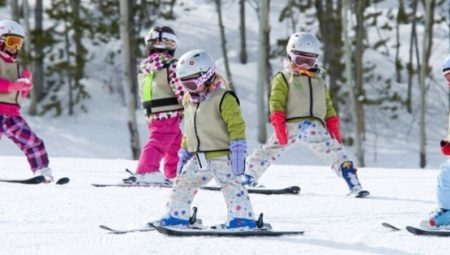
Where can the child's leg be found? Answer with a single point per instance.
(161, 135)
(261, 158)
(236, 196)
(443, 186)
(171, 156)
(185, 187)
(18, 130)
(314, 135)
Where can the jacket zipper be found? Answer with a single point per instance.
(310, 97)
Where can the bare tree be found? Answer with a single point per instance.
(330, 27)
(262, 82)
(360, 35)
(15, 12)
(224, 43)
(349, 78)
(426, 52)
(410, 66)
(243, 49)
(38, 58)
(128, 83)
(401, 16)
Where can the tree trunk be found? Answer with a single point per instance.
(398, 62)
(133, 56)
(411, 55)
(38, 59)
(262, 70)
(349, 78)
(359, 66)
(243, 54)
(27, 39)
(330, 27)
(15, 12)
(224, 44)
(127, 82)
(426, 52)
(69, 71)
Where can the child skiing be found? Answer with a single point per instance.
(301, 112)
(214, 144)
(161, 95)
(440, 218)
(15, 85)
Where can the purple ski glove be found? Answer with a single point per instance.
(238, 149)
(183, 157)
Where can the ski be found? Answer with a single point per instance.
(390, 226)
(362, 194)
(35, 180)
(265, 231)
(147, 228)
(294, 190)
(32, 180)
(62, 181)
(129, 185)
(428, 232)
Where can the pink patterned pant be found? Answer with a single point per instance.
(17, 129)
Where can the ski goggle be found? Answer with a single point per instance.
(193, 84)
(13, 41)
(300, 58)
(161, 40)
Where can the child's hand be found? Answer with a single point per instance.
(445, 147)
(278, 120)
(22, 84)
(26, 74)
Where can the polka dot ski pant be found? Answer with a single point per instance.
(311, 134)
(192, 177)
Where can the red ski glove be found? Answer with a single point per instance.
(333, 128)
(445, 147)
(278, 120)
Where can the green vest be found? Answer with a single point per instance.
(204, 128)
(306, 97)
(156, 94)
(10, 72)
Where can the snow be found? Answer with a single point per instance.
(50, 219)
(94, 147)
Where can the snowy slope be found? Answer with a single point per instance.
(49, 219)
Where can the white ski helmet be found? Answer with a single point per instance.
(446, 66)
(9, 27)
(193, 62)
(161, 38)
(196, 62)
(303, 42)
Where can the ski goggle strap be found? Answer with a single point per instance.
(192, 84)
(160, 36)
(13, 41)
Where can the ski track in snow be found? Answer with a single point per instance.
(50, 219)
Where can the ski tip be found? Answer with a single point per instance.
(63, 181)
(390, 226)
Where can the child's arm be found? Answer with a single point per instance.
(175, 83)
(277, 104)
(332, 119)
(231, 114)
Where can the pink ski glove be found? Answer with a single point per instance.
(333, 128)
(278, 120)
(445, 148)
(22, 84)
(26, 74)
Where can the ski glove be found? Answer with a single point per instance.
(21, 84)
(238, 149)
(333, 128)
(278, 120)
(183, 156)
(445, 147)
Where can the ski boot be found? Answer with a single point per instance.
(150, 178)
(46, 172)
(439, 219)
(351, 178)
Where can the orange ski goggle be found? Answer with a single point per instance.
(13, 41)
